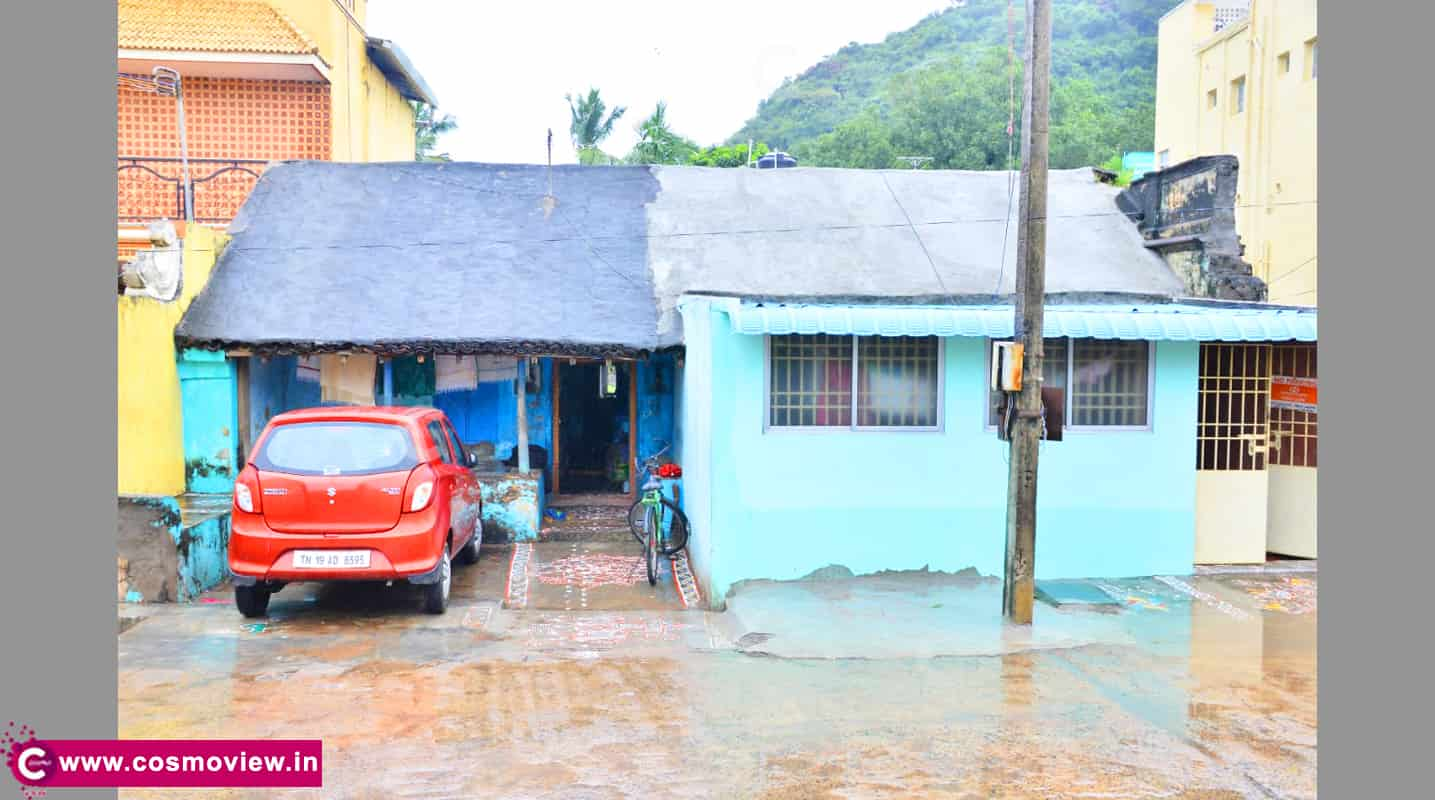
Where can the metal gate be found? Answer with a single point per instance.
(1291, 506)
(1232, 447)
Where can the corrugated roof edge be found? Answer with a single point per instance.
(1173, 321)
(392, 61)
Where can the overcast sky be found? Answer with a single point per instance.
(502, 68)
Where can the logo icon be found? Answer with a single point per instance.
(30, 760)
(332, 492)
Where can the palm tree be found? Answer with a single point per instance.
(658, 144)
(427, 129)
(589, 126)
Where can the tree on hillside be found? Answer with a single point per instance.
(1109, 43)
(955, 113)
(730, 155)
(864, 142)
(590, 126)
(427, 128)
(658, 143)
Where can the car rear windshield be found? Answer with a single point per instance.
(337, 448)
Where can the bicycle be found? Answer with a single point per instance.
(653, 513)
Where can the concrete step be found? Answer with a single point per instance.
(588, 523)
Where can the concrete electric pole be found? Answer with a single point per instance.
(1019, 583)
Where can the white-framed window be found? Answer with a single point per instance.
(1310, 58)
(1211, 99)
(1107, 382)
(1163, 159)
(854, 382)
(1238, 95)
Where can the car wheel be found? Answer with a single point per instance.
(436, 594)
(251, 600)
(469, 553)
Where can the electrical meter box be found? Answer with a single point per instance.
(1006, 366)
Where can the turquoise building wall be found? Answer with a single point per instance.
(210, 421)
(781, 504)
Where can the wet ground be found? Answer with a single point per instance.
(899, 685)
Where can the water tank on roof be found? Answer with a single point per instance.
(776, 160)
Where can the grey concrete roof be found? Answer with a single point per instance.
(872, 234)
(414, 255)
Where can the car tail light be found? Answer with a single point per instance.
(420, 489)
(246, 494)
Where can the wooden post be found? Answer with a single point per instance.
(633, 428)
(557, 424)
(521, 377)
(1019, 584)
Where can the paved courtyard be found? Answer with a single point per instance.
(900, 685)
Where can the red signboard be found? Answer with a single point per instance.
(1293, 393)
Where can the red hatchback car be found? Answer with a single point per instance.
(354, 494)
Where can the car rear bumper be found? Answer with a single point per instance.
(410, 550)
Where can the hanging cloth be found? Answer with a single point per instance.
(455, 373)
(348, 380)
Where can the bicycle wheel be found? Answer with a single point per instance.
(678, 529)
(636, 520)
(651, 547)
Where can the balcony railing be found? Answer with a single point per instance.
(153, 188)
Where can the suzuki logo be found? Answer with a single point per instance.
(331, 491)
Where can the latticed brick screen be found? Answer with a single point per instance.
(227, 118)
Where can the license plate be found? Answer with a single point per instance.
(331, 559)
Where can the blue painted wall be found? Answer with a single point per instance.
(657, 382)
(783, 504)
(203, 556)
(210, 421)
(489, 413)
(275, 388)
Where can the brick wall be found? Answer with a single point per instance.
(225, 118)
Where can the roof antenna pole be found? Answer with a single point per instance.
(549, 201)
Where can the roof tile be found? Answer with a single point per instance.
(223, 26)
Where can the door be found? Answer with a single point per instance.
(1231, 449)
(594, 436)
(1292, 503)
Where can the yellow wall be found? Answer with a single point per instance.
(372, 121)
(151, 433)
(1274, 137)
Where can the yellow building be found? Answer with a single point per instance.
(1239, 77)
(262, 81)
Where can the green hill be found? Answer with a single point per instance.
(940, 89)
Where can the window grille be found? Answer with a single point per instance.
(810, 382)
(897, 382)
(1234, 398)
(1110, 383)
(1293, 431)
(1106, 383)
(1231, 13)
